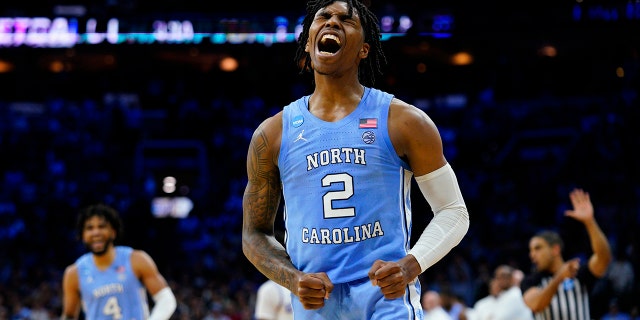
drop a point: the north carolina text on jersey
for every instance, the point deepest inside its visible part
(342, 235)
(336, 155)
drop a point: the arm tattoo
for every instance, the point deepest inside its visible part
(263, 178)
(260, 204)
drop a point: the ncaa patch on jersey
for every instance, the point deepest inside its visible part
(297, 121)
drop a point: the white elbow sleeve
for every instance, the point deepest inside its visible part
(165, 305)
(451, 218)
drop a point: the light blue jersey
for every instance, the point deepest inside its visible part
(114, 293)
(346, 204)
(346, 191)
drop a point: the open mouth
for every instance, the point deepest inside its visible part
(329, 44)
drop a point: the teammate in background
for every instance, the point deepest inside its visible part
(344, 158)
(109, 282)
(560, 289)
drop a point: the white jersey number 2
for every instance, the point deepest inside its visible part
(344, 194)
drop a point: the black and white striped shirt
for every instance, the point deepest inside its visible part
(571, 301)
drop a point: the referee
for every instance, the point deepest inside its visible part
(559, 290)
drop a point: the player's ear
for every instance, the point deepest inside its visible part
(114, 234)
(306, 47)
(364, 52)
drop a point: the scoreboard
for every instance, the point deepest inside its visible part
(64, 32)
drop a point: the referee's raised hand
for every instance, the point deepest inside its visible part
(582, 206)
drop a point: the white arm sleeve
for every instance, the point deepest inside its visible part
(451, 218)
(165, 305)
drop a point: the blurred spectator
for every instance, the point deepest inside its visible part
(432, 306)
(461, 278)
(216, 313)
(483, 307)
(621, 277)
(505, 301)
(273, 302)
(614, 312)
(452, 303)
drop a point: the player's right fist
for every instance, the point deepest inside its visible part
(313, 289)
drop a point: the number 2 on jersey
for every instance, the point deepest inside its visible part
(344, 194)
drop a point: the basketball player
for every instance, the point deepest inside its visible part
(110, 281)
(344, 158)
(559, 289)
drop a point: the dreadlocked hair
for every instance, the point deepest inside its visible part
(369, 67)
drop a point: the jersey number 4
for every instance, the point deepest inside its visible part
(347, 191)
(111, 308)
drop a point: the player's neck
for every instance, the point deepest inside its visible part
(337, 93)
(105, 260)
(337, 85)
(332, 103)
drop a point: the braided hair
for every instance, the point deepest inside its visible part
(372, 65)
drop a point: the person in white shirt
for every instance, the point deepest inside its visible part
(483, 307)
(273, 302)
(505, 301)
(432, 306)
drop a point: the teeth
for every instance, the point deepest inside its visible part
(330, 36)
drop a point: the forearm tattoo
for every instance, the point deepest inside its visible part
(260, 205)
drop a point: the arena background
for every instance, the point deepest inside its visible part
(102, 100)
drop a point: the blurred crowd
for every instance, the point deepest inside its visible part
(75, 139)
